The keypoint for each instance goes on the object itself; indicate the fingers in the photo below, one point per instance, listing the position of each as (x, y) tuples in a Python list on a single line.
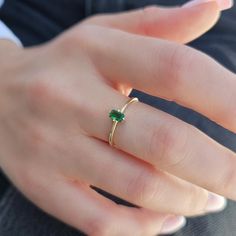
[(166, 23), (137, 182), (165, 142), (178, 148), (81, 207), (168, 70)]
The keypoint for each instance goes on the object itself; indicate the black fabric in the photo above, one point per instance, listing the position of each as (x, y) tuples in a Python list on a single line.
[(36, 22)]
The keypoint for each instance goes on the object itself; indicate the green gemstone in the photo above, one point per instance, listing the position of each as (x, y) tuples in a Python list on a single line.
[(117, 115)]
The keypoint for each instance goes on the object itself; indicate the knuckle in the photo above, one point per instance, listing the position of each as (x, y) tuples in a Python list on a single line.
[(168, 145), (161, 142), (143, 188), (38, 93), (180, 60), (76, 39), (147, 23)]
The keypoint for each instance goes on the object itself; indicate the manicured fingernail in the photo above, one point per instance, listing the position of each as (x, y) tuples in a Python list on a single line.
[(215, 203), (223, 4), (173, 224)]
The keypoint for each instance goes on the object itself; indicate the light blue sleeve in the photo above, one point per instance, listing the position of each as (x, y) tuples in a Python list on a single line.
[(6, 33)]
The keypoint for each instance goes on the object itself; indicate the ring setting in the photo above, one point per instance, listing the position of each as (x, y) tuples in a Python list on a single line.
[(117, 116)]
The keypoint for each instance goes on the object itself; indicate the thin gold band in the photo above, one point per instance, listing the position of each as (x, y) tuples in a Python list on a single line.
[(115, 123)]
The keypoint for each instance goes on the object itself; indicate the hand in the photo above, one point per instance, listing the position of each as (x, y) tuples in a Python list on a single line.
[(55, 125)]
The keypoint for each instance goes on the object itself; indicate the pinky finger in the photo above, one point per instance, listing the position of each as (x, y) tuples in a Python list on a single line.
[(81, 207)]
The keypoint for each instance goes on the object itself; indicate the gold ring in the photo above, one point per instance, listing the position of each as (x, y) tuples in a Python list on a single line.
[(118, 116)]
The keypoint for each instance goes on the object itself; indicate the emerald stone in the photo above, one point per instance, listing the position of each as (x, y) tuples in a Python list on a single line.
[(117, 115)]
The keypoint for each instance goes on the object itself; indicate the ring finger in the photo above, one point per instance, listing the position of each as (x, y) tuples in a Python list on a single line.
[(165, 142)]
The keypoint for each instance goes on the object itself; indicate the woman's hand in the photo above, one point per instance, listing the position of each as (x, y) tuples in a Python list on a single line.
[(54, 127)]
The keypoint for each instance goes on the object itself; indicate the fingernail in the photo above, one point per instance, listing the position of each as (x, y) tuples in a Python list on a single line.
[(215, 203), (173, 224), (223, 4)]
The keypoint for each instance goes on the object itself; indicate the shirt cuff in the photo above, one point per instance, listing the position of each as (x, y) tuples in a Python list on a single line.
[(6, 33)]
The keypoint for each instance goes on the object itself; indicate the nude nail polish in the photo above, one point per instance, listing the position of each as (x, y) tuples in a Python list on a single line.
[(173, 224), (215, 203), (223, 4)]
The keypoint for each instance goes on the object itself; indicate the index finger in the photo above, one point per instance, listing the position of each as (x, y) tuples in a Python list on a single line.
[(170, 23)]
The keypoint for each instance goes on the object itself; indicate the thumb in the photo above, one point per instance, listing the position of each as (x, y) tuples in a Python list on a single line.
[(180, 24)]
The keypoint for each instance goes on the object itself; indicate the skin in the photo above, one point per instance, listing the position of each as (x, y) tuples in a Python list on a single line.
[(55, 99)]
